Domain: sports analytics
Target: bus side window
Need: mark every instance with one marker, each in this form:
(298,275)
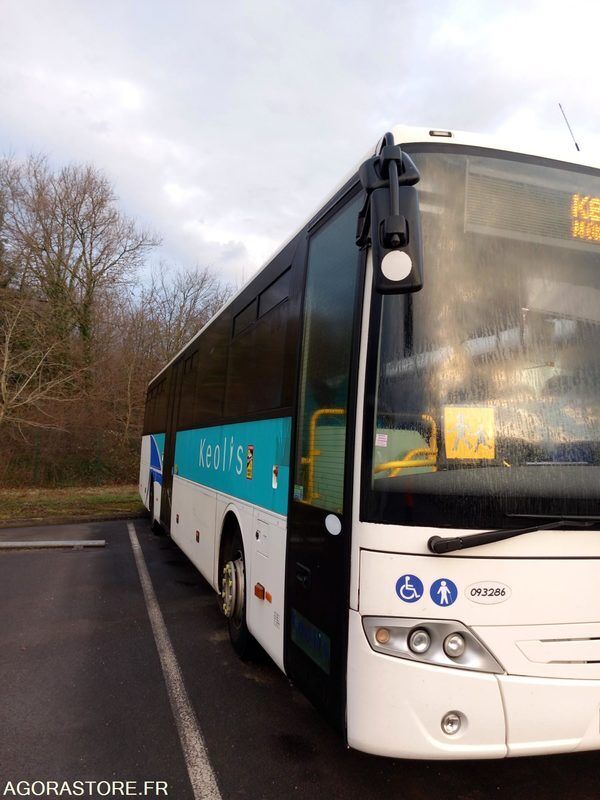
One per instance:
(187,402)
(257,353)
(245,318)
(211,370)
(274,294)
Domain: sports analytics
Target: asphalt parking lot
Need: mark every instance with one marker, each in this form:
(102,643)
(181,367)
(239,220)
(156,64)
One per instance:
(83,694)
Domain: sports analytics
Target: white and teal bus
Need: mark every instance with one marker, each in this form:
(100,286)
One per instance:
(384,452)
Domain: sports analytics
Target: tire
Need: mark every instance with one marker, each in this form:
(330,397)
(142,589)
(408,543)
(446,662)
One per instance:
(233,593)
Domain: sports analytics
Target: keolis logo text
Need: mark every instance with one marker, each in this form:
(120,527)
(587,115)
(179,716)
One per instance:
(223,457)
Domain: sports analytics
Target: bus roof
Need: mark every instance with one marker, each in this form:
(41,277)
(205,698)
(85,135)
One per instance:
(408,135)
(404,134)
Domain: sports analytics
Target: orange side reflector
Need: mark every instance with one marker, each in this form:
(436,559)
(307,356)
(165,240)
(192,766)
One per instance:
(268,597)
(259,591)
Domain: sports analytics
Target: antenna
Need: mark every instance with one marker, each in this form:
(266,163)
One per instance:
(569,127)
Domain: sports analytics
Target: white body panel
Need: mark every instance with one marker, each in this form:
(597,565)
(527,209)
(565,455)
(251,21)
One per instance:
(265,618)
(198,514)
(535,631)
(395,706)
(550,716)
(543,591)
(193,524)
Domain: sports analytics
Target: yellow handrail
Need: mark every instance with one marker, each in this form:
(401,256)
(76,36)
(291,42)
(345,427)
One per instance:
(309,460)
(419,457)
(410,460)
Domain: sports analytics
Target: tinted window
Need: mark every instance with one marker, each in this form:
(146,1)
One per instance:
(256,371)
(274,294)
(329,304)
(245,318)
(155,413)
(188,399)
(212,366)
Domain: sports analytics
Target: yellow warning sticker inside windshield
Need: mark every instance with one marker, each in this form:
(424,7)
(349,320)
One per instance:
(469,432)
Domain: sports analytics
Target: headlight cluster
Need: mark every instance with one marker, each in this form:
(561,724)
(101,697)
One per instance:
(446,643)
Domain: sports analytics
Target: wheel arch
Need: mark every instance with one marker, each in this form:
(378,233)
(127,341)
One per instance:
(230,523)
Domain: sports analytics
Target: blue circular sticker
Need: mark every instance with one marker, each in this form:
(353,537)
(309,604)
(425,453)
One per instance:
(443,592)
(409,588)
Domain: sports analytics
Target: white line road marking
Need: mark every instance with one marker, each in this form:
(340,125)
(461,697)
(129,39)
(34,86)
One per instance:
(44,545)
(202,777)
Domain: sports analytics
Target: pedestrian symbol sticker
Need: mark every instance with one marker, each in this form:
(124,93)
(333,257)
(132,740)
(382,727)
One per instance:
(409,588)
(443,592)
(469,432)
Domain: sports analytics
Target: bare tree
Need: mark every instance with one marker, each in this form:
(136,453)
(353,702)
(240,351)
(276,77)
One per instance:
(137,334)
(31,381)
(7,261)
(178,304)
(76,326)
(70,239)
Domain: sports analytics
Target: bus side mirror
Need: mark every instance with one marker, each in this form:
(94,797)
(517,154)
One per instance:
(390,220)
(396,242)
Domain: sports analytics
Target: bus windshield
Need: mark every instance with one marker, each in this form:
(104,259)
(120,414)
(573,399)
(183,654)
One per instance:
(487,382)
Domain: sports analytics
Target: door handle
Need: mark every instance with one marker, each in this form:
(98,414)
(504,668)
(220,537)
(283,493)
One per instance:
(303,575)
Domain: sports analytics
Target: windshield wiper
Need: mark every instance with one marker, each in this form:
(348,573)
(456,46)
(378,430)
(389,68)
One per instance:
(439,544)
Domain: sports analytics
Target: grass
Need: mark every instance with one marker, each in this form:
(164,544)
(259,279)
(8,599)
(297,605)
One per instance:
(75,502)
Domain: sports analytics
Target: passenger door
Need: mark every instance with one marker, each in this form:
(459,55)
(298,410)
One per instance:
(318,546)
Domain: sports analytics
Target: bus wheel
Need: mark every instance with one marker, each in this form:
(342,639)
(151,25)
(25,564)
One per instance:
(233,596)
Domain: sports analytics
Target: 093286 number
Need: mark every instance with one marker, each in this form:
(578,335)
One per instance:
(488,592)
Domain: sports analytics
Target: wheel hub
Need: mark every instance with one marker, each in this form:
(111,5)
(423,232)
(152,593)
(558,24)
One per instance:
(232,589)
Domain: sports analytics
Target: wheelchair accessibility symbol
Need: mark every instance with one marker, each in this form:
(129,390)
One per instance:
(409,588)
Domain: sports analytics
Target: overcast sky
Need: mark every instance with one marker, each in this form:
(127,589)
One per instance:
(223,125)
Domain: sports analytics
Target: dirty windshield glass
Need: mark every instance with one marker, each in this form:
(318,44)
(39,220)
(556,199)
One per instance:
(488,380)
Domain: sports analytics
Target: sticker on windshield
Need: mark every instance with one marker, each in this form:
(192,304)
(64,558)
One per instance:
(488,592)
(469,432)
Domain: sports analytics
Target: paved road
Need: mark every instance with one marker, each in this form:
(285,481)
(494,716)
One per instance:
(82,694)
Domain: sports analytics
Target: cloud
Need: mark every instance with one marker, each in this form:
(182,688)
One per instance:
(224,126)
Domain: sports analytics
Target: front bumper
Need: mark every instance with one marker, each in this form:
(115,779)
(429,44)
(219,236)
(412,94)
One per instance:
(395,708)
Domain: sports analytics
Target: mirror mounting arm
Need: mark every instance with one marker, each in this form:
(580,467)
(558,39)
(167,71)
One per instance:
(389,220)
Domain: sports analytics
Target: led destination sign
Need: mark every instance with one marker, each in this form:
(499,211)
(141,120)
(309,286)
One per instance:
(531,208)
(585,217)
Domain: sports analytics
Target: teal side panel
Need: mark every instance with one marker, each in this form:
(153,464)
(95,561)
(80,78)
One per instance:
(240,460)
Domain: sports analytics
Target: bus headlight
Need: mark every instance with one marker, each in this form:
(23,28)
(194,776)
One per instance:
(419,641)
(455,645)
(445,643)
